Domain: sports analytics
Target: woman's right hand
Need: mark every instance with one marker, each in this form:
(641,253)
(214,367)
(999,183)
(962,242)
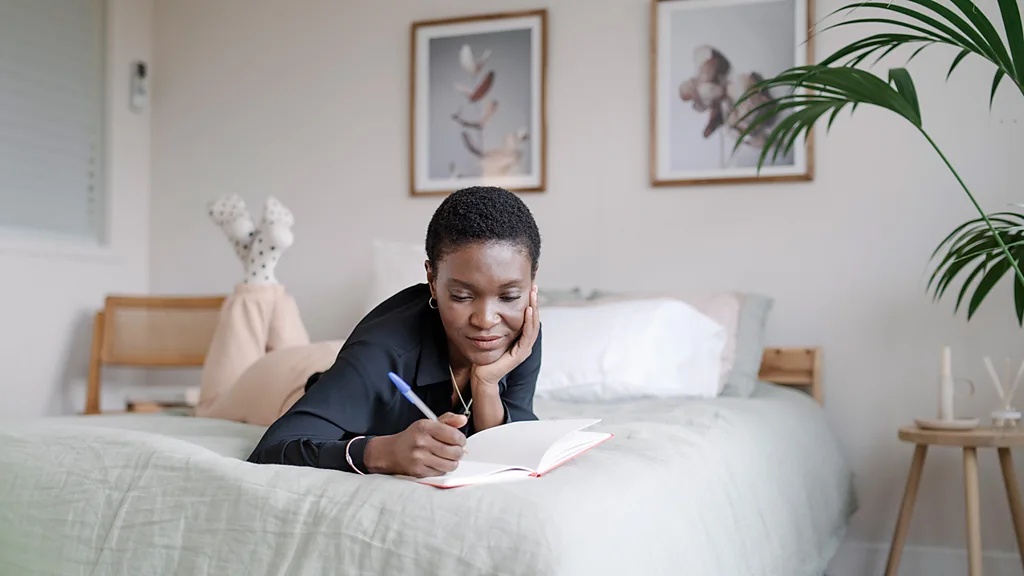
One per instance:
(425,448)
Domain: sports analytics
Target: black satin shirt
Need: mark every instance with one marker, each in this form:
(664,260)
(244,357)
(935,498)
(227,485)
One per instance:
(355,397)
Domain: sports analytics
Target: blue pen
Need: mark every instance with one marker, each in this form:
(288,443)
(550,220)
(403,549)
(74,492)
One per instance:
(411,396)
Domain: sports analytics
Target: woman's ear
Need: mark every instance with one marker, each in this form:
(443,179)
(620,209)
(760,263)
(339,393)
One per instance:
(430,277)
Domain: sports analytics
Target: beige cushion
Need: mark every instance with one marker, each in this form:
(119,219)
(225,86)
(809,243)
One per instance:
(269,387)
(396,266)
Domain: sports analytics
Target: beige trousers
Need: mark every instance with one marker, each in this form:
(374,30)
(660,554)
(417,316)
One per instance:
(260,357)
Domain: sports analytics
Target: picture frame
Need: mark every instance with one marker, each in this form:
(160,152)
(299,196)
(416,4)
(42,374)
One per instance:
(478,103)
(704,55)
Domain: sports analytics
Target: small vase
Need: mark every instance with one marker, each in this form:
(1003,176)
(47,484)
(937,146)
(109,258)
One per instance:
(1006,418)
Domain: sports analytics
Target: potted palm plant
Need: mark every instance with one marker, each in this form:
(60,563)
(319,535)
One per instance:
(983,249)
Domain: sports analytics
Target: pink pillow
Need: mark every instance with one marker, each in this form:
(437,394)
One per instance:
(269,387)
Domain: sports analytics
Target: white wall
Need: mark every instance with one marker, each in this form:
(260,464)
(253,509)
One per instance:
(52,292)
(308,100)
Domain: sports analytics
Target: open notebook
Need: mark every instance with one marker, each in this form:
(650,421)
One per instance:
(519,450)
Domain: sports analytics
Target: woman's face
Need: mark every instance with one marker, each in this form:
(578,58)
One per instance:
(482,292)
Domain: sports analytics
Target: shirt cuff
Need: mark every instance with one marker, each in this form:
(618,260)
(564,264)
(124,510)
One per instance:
(332,454)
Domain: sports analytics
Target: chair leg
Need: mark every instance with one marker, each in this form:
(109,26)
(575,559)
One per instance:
(92,393)
(973,510)
(1013,493)
(899,537)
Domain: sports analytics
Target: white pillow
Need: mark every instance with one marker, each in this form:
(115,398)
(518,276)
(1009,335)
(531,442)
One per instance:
(744,316)
(396,266)
(630,349)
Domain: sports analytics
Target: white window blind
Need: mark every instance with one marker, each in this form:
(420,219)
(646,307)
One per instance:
(52,61)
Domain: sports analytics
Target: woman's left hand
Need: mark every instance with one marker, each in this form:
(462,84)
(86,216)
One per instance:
(490,374)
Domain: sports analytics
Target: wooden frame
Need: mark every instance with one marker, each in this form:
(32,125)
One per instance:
(788,366)
(792,366)
(104,350)
(491,97)
(666,89)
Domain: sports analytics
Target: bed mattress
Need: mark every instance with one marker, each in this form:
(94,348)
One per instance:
(751,486)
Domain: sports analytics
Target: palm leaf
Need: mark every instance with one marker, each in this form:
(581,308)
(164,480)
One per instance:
(990,40)
(1002,218)
(956,265)
(995,85)
(1018,300)
(997,271)
(981,247)
(972,247)
(905,87)
(965,237)
(816,90)
(959,58)
(933,23)
(1010,13)
(965,37)
(967,284)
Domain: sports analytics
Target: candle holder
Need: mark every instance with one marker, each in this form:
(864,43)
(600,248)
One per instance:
(947,419)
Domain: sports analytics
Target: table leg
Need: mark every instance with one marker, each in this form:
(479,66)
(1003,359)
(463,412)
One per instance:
(973,510)
(892,567)
(1013,493)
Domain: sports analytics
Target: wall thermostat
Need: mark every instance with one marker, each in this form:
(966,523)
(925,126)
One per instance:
(138,99)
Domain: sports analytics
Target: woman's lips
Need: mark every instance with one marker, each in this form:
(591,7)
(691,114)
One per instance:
(486,343)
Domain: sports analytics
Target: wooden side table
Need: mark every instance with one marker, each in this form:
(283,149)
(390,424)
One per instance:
(970,441)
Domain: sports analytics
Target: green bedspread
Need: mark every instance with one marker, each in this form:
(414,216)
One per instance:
(731,486)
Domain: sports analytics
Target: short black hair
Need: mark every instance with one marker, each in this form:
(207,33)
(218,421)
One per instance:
(482,214)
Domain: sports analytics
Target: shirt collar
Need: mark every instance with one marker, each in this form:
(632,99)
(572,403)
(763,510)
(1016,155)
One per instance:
(432,366)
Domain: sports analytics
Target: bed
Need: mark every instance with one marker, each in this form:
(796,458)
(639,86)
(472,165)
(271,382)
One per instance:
(725,486)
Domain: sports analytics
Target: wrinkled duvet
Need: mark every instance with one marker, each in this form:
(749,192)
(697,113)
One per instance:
(730,486)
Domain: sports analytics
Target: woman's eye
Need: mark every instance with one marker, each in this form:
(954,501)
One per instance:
(511,298)
(459,298)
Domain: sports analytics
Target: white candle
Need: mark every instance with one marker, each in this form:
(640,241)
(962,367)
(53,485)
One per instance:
(946,386)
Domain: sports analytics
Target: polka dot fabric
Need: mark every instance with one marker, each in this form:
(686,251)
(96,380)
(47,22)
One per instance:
(274,213)
(258,248)
(231,215)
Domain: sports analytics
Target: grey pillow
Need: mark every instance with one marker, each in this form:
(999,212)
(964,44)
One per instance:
(554,296)
(750,340)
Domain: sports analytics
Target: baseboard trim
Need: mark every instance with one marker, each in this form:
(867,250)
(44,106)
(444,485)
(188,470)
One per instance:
(868,559)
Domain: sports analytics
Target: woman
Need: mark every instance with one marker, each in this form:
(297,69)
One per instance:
(467,341)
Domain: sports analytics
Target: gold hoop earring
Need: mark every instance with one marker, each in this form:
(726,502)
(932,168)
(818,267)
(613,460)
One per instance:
(432,302)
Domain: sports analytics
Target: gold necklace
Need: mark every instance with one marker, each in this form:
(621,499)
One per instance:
(456,386)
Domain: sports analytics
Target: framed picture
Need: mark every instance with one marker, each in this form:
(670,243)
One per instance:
(478,113)
(705,55)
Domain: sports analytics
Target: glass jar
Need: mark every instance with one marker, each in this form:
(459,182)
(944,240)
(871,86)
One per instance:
(1006,419)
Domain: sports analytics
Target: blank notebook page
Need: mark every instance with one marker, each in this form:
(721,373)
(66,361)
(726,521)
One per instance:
(568,447)
(524,443)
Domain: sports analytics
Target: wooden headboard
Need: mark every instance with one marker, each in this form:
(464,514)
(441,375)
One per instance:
(792,366)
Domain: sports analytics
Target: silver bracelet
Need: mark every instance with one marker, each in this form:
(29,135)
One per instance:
(348,457)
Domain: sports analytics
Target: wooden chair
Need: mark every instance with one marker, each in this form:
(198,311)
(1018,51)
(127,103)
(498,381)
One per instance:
(156,332)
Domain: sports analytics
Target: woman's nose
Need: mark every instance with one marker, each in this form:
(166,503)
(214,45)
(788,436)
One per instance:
(485,317)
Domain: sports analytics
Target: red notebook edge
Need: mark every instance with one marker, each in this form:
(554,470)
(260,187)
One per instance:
(573,457)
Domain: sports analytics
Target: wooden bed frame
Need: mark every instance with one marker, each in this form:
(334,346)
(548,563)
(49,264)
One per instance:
(150,332)
(793,366)
(174,332)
